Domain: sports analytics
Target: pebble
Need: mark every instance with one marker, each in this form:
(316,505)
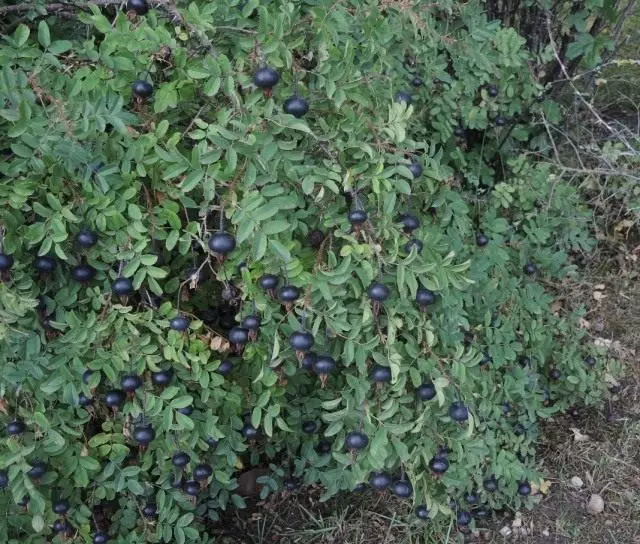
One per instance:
(596,504)
(576,482)
(506,531)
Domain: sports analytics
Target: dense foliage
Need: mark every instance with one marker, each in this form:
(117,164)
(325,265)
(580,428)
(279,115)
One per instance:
(170,233)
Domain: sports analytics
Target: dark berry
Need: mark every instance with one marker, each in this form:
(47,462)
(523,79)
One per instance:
(359,488)
(403,97)
(422,512)
(251,322)
(426,391)
(16,427)
(130,383)
(6,262)
(323,447)
(122,287)
(529,269)
(308,360)
(380,374)
(290,484)
(144,434)
(225,368)
(471,498)
(524,488)
(458,411)
(86,376)
(378,292)
(402,489)
(60,506)
(86,238)
(83,273)
(424,297)
(439,465)
(202,472)
(84,401)
(296,106)
(486,359)
(60,526)
(38,470)
(238,335)
(288,293)
(492,90)
(150,511)
(139,6)
(409,222)
(315,238)
(540,98)
(417,82)
(179,323)
(519,429)
(500,121)
(266,78)
(309,427)
(490,484)
(250,432)
(162,377)
(458,132)
(45,264)
(357,217)
(301,340)
(180,459)
(506,408)
(555,374)
(379,480)
(590,361)
(416,169)
(414,243)
(324,365)
(142,89)
(356,440)
(212,442)
(191,488)
(222,243)
(114,398)
(463,518)
(481,240)
(269,281)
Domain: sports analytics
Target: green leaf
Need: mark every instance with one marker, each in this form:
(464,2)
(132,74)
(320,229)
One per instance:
(21,35)
(43,34)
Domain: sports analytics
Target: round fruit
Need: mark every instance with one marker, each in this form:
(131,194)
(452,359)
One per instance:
(323,447)
(356,440)
(506,408)
(415,243)
(38,470)
(130,383)
(60,526)
(309,427)
(83,273)
(251,322)
(529,269)
(422,512)
(238,335)
(458,132)
(289,293)
(481,240)
(144,434)
(139,6)
(179,323)
(86,238)
(84,401)
(438,465)
(555,374)
(225,368)
(180,459)
(114,398)
(45,264)
(409,222)
(308,360)
(250,432)
(142,89)
(290,484)
(519,429)
(471,498)
(403,97)
(315,238)
(417,82)
(324,365)
(458,411)
(266,78)
(379,480)
(492,90)
(424,297)
(426,391)
(359,488)
(6,262)
(150,511)
(380,374)
(16,427)
(357,217)
(463,518)
(211,442)
(590,361)
(162,377)
(86,376)
(269,281)
(296,106)
(202,472)
(60,506)
(416,169)
(524,488)
(490,484)
(378,291)
(122,287)
(301,340)
(500,121)
(222,243)
(402,489)
(191,488)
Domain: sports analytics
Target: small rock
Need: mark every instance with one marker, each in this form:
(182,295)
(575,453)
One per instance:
(546,532)
(596,504)
(505,531)
(608,523)
(517,522)
(576,482)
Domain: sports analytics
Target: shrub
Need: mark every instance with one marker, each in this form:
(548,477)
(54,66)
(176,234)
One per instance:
(167,245)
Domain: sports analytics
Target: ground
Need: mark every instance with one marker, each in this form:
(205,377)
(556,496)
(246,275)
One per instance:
(600,447)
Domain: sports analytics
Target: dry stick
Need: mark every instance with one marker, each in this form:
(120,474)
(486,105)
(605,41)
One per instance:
(579,95)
